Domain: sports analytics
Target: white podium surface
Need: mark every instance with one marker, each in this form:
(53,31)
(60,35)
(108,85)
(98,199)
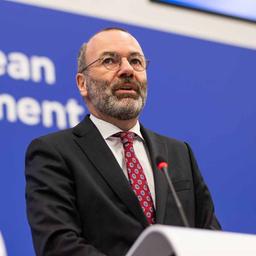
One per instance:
(2,247)
(160,240)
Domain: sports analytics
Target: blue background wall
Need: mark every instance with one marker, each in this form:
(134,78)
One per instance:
(199,91)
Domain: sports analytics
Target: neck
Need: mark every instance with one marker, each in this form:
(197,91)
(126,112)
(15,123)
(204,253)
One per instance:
(124,125)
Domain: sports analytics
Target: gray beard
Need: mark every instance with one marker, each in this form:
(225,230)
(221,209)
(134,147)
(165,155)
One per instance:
(102,96)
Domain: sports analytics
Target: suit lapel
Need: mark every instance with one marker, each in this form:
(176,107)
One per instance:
(93,145)
(156,148)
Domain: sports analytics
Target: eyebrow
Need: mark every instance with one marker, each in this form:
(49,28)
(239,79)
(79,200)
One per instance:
(116,53)
(107,53)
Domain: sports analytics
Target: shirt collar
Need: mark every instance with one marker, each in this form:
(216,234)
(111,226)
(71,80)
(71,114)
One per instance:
(107,129)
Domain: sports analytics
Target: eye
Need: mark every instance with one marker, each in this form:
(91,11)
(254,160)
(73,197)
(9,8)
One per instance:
(108,60)
(136,61)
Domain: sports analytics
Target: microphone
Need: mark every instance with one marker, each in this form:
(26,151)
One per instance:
(163,166)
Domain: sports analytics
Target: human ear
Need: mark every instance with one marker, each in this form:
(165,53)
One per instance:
(81,84)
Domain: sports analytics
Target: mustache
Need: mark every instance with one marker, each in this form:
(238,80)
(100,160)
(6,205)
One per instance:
(127,83)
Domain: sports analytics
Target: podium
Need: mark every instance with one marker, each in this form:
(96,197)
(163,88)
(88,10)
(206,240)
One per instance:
(160,240)
(2,247)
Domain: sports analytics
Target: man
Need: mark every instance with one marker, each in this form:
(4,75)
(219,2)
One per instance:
(91,190)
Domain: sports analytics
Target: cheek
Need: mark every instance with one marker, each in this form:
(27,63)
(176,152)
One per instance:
(112,77)
(141,77)
(103,74)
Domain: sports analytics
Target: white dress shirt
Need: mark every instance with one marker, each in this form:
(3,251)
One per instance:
(107,130)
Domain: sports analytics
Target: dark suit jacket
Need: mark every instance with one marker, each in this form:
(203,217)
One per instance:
(80,203)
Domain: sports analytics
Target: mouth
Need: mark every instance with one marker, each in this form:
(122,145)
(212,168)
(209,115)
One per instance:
(127,88)
(126,93)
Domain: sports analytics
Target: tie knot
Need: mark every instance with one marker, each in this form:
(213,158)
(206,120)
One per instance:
(125,137)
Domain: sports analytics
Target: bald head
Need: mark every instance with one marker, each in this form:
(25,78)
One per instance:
(110,39)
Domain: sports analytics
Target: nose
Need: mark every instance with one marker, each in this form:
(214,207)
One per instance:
(125,68)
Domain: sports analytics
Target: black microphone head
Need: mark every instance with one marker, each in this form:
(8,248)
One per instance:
(161,163)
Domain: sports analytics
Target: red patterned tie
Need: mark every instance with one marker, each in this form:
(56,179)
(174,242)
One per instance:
(137,177)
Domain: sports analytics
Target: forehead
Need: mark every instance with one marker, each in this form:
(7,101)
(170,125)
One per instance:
(112,41)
